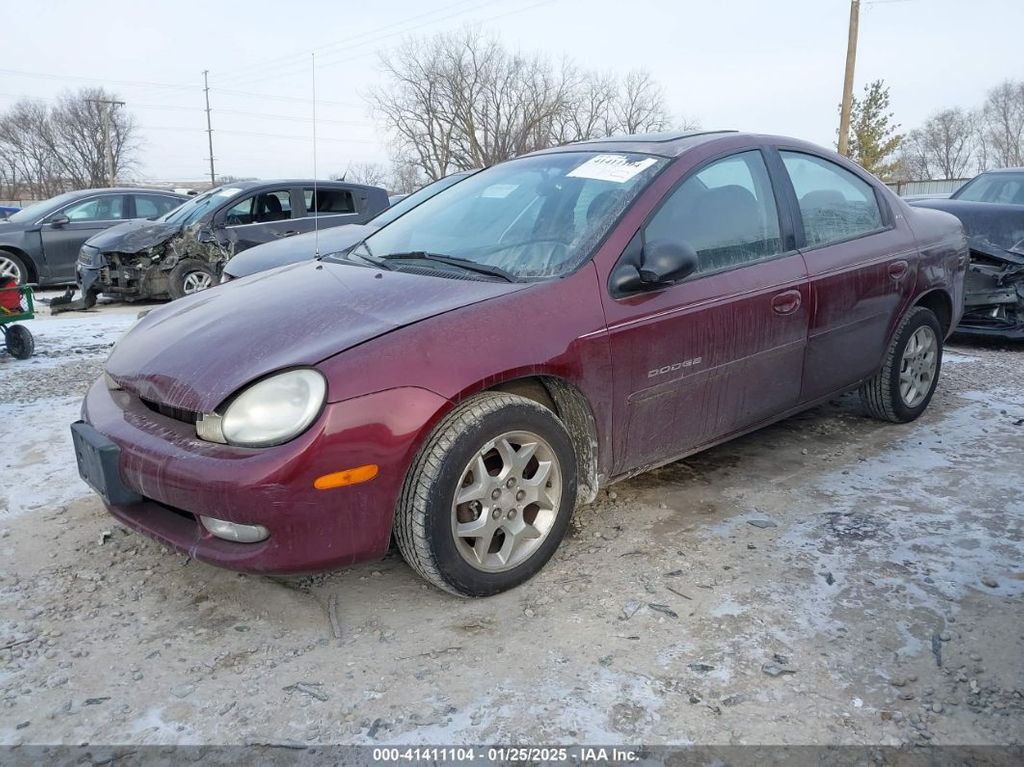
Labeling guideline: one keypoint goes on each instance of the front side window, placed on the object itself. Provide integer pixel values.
(835, 204)
(194, 210)
(260, 208)
(106, 208)
(329, 202)
(534, 217)
(1005, 188)
(726, 212)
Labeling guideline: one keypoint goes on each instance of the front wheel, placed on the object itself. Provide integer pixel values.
(489, 497)
(904, 386)
(190, 276)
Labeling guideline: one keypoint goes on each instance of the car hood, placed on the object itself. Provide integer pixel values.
(195, 352)
(301, 247)
(134, 236)
(987, 224)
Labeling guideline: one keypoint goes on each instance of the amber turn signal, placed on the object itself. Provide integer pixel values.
(347, 477)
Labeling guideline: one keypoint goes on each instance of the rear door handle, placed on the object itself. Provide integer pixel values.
(898, 270)
(786, 302)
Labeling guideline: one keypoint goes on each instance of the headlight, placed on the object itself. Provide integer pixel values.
(269, 412)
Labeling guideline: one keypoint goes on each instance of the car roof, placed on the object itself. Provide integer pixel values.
(663, 144)
(253, 183)
(1001, 170)
(122, 190)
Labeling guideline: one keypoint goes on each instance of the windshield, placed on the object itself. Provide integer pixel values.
(532, 218)
(420, 195)
(1006, 188)
(32, 213)
(193, 210)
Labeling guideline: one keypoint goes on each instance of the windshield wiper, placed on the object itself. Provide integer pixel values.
(462, 263)
(367, 257)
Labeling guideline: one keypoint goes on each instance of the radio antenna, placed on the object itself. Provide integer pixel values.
(316, 197)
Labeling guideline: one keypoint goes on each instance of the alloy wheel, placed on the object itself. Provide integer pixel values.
(507, 501)
(918, 366)
(195, 282)
(8, 268)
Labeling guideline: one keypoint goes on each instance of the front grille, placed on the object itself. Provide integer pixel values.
(177, 413)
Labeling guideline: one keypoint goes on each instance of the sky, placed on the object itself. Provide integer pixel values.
(773, 67)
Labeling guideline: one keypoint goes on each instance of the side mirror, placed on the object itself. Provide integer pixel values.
(59, 221)
(662, 263)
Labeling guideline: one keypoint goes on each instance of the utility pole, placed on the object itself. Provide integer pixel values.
(108, 119)
(851, 60)
(209, 127)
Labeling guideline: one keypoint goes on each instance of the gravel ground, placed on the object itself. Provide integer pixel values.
(828, 580)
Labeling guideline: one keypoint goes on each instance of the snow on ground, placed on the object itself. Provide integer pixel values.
(37, 460)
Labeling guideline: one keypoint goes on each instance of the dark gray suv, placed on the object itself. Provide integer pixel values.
(41, 242)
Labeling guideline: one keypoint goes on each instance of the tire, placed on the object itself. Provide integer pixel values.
(886, 395)
(19, 342)
(184, 276)
(13, 266)
(428, 520)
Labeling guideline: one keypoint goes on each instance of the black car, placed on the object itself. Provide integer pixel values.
(305, 247)
(991, 208)
(40, 243)
(184, 251)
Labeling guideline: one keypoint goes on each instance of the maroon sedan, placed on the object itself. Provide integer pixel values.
(466, 375)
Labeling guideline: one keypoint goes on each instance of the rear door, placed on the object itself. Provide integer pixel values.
(861, 267)
(62, 241)
(723, 349)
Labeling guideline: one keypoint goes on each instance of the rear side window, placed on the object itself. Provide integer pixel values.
(153, 205)
(260, 209)
(329, 201)
(726, 212)
(835, 204)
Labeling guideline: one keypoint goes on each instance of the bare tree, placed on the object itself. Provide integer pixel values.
(48, 150)
(1003, 124)
(640, 106)
(461, 100)
(943, 147)
(372, 173)
(406, 178)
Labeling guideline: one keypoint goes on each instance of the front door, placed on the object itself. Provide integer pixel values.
(64, 232)
(860, 266)
(723, 349)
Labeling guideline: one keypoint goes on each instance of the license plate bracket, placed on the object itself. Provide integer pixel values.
(98, 464)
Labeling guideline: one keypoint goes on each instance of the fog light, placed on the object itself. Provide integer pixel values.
(230, 531)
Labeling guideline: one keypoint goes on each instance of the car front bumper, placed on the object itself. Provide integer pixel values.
(180, 478)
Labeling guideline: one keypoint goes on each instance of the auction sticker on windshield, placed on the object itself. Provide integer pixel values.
(611, 167)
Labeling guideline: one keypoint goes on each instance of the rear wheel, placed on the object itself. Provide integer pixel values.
(190, 276)
(489, 497)
(904, 386)
(19, 342)
(12, 266)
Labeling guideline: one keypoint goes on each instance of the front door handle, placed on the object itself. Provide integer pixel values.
(289, 233)
(786, 302)
(898, 270)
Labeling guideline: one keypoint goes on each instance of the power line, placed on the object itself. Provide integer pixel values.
(247, 71)
(286, 72)
(49, 76)
(292, 136)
